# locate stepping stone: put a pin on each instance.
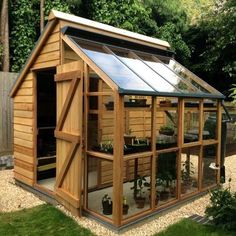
(200, 219)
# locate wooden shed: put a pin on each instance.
(107, 122)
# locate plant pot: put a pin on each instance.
(167, 132)
(164, 195)
(140, 202)
(107, 207)
(125, 209)
(185, 187)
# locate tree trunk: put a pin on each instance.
(41, 15)
(5, 36)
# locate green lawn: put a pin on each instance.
(187, 227)
(42, 220)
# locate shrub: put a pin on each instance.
(222, 210)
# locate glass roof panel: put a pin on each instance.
(147, 74)
(171, 77)
(188, 75)
(114, 68)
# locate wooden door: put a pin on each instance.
(68, 134)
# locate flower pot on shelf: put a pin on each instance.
(164, 195)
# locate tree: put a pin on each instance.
(213, 45)
(5, 36)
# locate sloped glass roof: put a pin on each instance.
(137, 74)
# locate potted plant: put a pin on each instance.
(106, 146)
(167, 130)
(106, 205)
(186, 173)
(166, 178)
(128, 138)
(138, 191)
(125, 206)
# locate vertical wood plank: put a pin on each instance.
(153, 140)
(118, 159)
(218, 135)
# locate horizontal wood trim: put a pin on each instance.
(67, 76)
(26, 99)
(100, 155)
(23, 114)
(23, 121)
(24, 150)
(137, 155)
(23, 157)
(50, 47)
(191, 144)
(23, 128)
(47, 64)
(23, 106)
(25, 91)
(27, 84)
(25, 173)
(68, 197)
(23, 143)
(67, 136)
(174, 149)
(29, 76)
(209, 142)
(24, 136)
(51, 56)
(24, 165)
(23, 179)
(100, 94)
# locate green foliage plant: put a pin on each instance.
(222, 210)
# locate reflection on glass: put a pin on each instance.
(186, 74)
(115, 69)
(191, 121)
(167, 123)
(100, 186)
(189, 170)
(166, 177)
(137, 124)
(171, 77)
(209, 174)
(148, 75)
(136, 186)
(210, 121)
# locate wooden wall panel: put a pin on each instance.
(23, 125)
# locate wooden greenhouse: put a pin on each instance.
(109, 124)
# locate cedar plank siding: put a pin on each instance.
(24, 112)
(23, 123)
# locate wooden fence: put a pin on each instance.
(6, 110)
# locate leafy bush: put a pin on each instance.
(223, 208)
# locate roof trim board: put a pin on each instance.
(106, 28)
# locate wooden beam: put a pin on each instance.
(67, 136)
(118, 162)
(75, 202)
(67, 76)
(218, 136)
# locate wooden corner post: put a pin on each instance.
(118, 159)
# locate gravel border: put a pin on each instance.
(13, 198)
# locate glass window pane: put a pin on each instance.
(189, 170)
(166, 177)
(210, 121)
(100, 186)
(136, 186)
(209, 173)
(137, 124)
(191, 121)
(166, 123)
(148, 75)
(116, 70)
